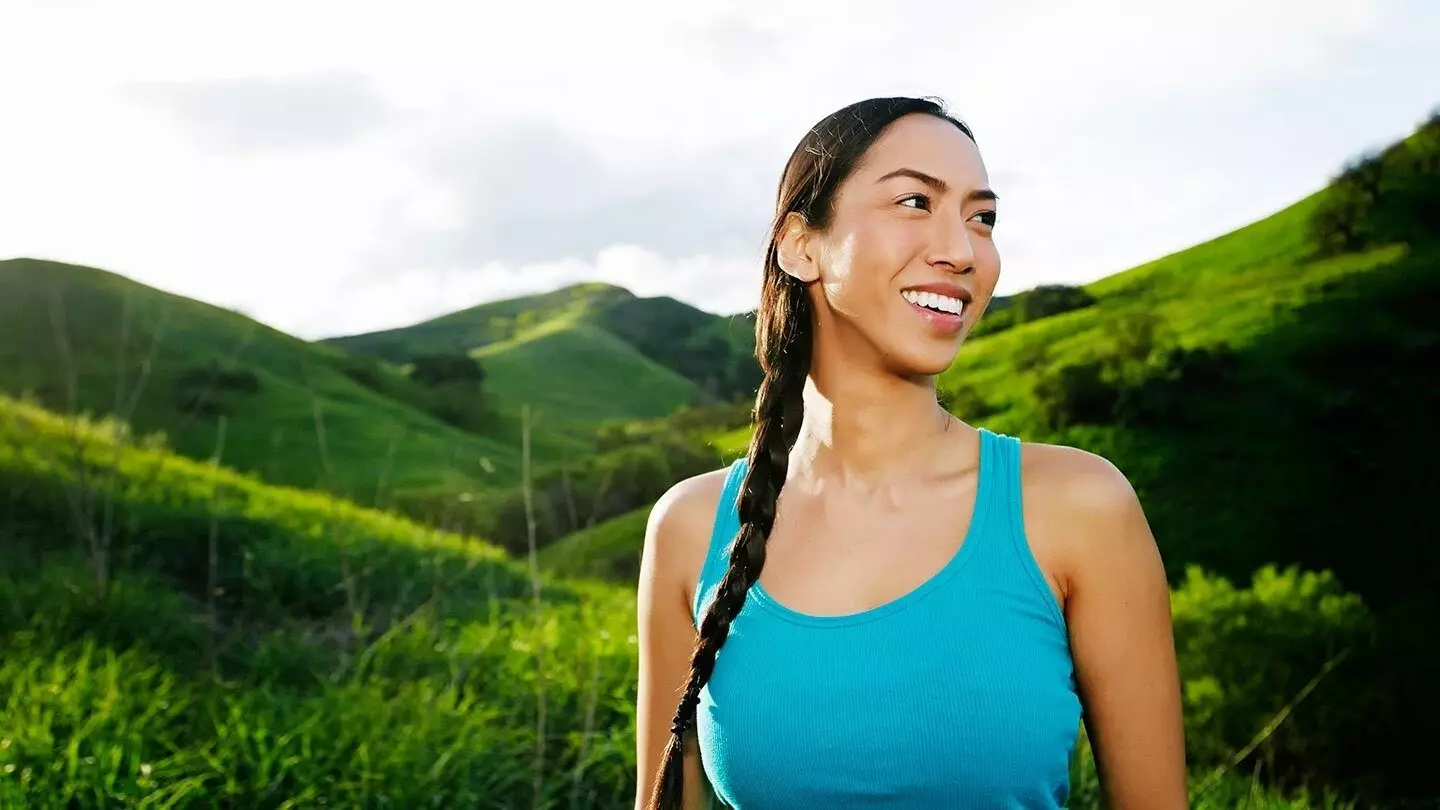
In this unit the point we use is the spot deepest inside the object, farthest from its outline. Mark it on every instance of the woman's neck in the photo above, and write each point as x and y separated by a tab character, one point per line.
868	431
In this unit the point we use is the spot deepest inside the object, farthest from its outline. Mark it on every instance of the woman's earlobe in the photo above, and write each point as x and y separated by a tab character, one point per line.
793	250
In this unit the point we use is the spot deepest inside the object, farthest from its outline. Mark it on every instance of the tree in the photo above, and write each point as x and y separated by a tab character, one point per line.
432	370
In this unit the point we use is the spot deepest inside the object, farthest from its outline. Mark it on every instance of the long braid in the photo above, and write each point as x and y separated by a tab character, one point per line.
783	347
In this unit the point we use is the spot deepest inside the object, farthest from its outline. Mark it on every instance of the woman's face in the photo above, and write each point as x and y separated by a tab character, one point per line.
908	263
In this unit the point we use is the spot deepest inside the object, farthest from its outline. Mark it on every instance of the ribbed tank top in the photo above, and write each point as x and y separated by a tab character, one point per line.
958	694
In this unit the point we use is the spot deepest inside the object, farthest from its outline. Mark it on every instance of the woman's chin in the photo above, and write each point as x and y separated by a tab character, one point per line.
924	363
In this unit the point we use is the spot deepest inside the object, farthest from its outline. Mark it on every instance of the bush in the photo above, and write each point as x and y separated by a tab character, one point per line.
436	369
1245	655
1174	387
1074	394
211	390
1392	196
570	496
1052	299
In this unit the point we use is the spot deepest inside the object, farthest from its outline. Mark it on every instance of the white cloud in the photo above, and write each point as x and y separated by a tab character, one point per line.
332	167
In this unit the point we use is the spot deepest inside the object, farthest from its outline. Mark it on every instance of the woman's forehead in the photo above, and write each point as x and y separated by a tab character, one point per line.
926	144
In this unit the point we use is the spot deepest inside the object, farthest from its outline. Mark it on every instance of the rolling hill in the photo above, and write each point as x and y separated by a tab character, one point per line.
81	339
659	345
342	414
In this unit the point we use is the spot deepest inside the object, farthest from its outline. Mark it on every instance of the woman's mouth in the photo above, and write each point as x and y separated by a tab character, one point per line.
944	313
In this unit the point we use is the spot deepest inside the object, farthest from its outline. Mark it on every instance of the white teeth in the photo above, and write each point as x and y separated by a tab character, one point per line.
931	300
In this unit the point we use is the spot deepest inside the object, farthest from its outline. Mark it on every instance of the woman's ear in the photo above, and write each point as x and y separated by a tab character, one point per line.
796	249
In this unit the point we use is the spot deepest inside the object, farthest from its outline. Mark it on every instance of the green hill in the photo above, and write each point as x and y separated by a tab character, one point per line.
343	415
86	340
181	635
577	375
637	339
480	325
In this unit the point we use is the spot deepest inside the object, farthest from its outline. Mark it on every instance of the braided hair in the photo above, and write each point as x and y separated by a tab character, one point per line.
822	160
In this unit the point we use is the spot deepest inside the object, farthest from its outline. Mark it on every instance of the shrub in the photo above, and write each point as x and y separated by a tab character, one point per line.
1244	654
1172	388
436	369
1073	394
1392	196
1052	299
210	390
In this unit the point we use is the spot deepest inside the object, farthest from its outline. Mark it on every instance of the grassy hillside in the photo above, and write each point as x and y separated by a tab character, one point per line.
265	647
254	646
480	325
605	551
82	339
576	375
634	339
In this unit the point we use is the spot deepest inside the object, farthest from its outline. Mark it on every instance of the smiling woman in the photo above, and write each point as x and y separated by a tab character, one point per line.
881	606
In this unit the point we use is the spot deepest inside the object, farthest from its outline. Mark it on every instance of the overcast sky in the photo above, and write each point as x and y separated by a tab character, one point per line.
337	167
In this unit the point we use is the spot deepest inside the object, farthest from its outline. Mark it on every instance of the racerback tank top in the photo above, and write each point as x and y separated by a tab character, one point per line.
958	694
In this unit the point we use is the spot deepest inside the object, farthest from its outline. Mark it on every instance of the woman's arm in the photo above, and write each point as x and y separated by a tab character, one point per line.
676	539
1117	607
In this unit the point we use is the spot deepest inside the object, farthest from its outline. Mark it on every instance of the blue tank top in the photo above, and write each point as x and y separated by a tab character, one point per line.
960	693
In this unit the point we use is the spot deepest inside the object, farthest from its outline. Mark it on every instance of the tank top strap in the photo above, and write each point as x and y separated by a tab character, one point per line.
1007	521
722	535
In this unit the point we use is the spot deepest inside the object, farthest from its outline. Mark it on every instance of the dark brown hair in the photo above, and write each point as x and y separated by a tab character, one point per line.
822	160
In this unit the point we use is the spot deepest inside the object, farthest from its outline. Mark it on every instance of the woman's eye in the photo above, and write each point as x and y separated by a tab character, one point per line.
921	201
987	217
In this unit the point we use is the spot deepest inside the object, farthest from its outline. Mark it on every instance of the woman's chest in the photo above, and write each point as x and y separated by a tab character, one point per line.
890	714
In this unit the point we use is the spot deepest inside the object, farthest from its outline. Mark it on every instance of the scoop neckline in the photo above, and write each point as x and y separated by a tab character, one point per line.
988	457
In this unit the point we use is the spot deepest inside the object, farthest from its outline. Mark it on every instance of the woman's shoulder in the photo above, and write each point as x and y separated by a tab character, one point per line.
1081	511
677	532
1078	482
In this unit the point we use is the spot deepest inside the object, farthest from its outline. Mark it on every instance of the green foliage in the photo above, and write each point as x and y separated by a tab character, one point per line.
697	421
1074	393
1246	654
431	370
1393	195
1030	305
211	390
331	655
590	490
1051	299
608	551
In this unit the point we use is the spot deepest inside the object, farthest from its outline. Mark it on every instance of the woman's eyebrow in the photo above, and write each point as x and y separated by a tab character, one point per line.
940	186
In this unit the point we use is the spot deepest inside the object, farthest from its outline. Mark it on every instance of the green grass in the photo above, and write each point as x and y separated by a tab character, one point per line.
574	375
331	655
606	551
335	655
480	325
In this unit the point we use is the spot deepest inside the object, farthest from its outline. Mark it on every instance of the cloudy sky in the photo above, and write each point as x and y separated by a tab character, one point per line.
337	167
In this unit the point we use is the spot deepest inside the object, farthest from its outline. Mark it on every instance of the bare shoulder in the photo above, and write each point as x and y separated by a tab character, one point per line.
1081	512
1088	517
677	533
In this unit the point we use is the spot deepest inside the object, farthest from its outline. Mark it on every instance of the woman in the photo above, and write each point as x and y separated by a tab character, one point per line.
883	620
